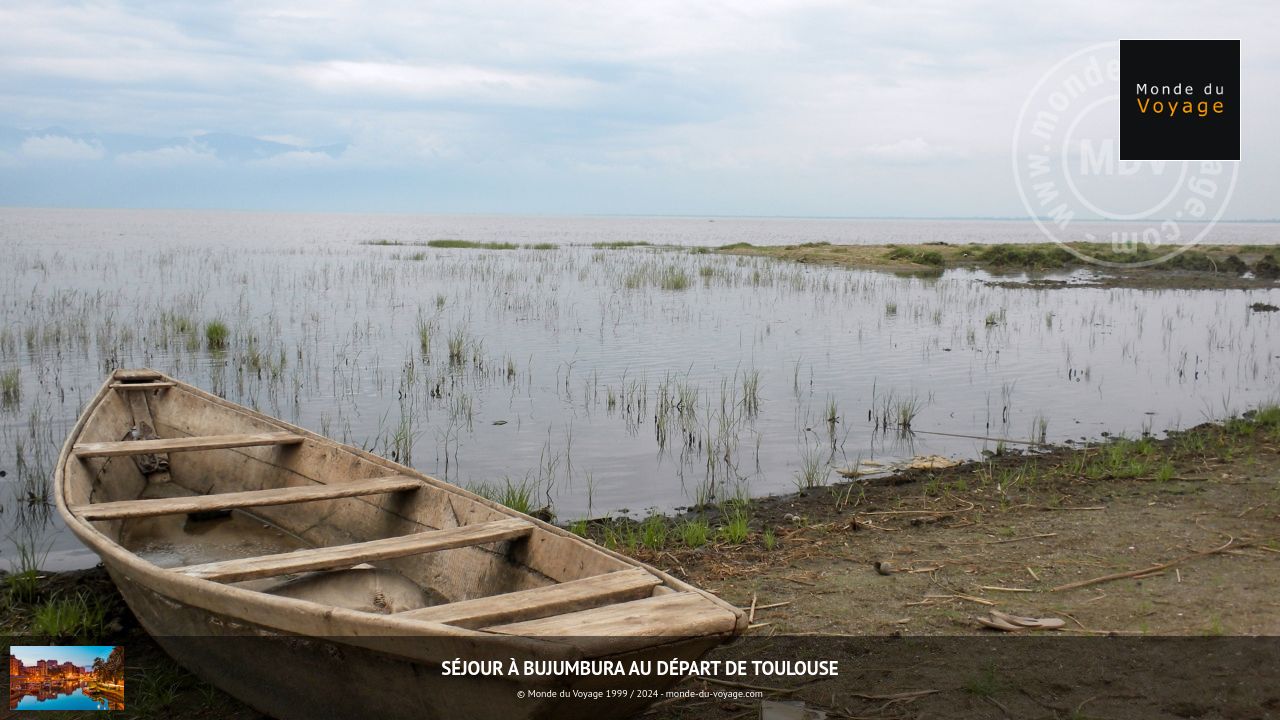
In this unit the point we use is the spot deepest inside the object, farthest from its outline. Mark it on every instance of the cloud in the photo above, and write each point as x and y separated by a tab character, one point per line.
910	151
306	159
174	156
443	82
785	98
60	147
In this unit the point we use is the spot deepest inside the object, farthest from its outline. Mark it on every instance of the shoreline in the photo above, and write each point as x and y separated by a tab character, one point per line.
1131	537
1200	267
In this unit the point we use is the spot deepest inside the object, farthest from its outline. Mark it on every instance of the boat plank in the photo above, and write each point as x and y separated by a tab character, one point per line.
136	375
557	599
249	498
683	614
185	444
142	385
340	556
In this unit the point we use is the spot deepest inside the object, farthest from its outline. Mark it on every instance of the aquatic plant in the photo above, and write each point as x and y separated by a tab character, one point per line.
813	471
10	388
518	496
471	244
216	334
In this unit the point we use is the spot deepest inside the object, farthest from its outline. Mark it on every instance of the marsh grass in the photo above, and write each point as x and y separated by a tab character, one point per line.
519	496
620	244
813	471
10	388
471	244
81	617
693	532
653	532
425	330
736	527
920	256
216	335
674	278
22	584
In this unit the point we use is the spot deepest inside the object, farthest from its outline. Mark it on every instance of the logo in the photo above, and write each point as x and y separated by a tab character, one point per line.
1072	176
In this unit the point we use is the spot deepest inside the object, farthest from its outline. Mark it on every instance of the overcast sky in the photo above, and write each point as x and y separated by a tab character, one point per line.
736	108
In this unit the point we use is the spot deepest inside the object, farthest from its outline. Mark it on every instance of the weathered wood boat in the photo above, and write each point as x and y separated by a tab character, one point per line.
311	579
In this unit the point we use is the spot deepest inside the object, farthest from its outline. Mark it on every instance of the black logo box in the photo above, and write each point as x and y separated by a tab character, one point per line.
1158	78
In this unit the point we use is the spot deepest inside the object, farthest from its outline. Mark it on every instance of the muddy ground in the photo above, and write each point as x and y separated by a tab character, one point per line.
1190	525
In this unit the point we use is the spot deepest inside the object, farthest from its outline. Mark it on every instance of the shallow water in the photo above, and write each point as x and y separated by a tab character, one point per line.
74	700
601	380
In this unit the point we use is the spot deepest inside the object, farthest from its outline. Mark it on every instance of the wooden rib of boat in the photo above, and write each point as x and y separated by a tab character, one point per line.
312	579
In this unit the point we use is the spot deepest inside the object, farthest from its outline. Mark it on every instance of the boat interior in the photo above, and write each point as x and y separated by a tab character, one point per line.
202	487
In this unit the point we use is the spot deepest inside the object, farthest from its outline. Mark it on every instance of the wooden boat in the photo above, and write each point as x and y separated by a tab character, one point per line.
311	579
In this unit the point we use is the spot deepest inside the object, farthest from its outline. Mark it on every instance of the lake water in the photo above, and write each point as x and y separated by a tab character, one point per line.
603	380
73	700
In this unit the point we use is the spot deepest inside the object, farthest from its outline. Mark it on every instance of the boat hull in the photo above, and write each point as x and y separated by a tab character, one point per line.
306	656
294	677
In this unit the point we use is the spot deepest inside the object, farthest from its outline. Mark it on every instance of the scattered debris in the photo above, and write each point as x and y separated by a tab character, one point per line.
932	462
1013	623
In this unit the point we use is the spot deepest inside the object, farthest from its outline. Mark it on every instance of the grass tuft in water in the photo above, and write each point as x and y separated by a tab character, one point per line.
216	334
517	496
10	388
471	244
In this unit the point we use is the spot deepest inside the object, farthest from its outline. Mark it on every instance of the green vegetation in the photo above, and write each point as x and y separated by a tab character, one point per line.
694	532
653	532
1267	268
517	496
736	528
620	244
919	256
1029	257
425	331
543	246
10	387
471	244
813	471
80	617
457	346
216	335
674	278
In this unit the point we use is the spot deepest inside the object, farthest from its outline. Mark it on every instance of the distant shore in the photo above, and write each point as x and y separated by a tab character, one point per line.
1199	267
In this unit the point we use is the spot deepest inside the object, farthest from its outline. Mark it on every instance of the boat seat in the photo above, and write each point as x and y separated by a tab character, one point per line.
250	498
342	556
184	444
616	627
571	596
158	384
